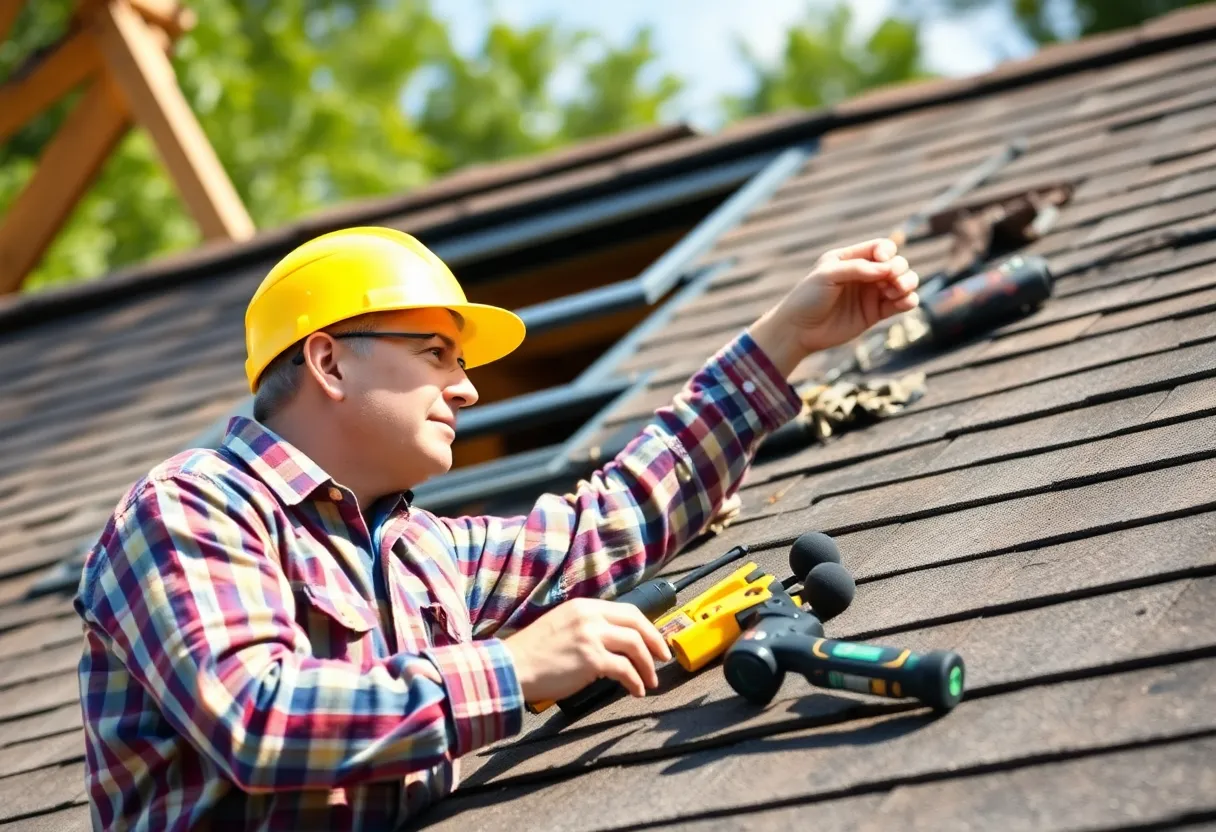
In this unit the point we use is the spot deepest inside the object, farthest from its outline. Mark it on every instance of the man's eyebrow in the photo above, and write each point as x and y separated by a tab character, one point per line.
425	336
447	342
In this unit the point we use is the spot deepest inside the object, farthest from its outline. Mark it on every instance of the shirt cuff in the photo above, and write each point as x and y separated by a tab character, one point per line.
485	702
755	379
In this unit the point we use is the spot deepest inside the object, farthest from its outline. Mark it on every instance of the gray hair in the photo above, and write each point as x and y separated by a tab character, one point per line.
281	379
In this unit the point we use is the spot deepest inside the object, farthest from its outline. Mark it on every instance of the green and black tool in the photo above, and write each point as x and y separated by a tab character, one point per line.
781	637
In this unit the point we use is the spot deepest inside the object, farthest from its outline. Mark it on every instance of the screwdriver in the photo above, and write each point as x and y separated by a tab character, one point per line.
653	598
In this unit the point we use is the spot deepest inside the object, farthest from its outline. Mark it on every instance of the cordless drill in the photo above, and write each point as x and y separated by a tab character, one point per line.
782	635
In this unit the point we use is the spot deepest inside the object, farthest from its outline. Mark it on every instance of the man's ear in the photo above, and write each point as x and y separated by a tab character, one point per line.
321	361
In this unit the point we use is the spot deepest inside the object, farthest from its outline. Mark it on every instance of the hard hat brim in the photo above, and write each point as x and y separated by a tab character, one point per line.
489	332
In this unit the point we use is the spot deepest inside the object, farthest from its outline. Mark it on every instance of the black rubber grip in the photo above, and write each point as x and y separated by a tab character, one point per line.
653	598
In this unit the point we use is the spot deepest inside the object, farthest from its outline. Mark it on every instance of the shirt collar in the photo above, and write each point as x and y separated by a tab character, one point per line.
289	472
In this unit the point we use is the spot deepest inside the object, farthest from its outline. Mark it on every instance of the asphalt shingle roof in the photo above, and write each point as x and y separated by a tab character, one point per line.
1047	509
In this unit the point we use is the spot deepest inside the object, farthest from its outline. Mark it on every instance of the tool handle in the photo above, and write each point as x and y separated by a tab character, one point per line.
737	553
988	299
653	598
935	678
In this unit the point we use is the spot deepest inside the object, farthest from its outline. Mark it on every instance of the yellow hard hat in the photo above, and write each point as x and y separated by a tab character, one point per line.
357	270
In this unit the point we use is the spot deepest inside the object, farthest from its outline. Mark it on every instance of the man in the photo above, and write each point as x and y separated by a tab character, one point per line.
277	639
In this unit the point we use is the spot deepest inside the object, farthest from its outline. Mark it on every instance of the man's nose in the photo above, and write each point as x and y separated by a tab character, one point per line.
462	393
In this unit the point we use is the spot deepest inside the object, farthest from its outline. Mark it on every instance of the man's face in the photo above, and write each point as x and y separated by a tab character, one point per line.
404	394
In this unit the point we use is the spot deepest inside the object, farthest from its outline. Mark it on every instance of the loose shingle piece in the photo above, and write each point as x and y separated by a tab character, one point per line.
1046	508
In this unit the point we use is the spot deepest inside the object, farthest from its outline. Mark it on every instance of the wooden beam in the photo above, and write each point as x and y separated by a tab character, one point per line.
68	165
145	76
9	9
57	74
169	15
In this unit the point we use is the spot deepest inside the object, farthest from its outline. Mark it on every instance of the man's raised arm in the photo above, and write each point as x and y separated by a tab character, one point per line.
638	510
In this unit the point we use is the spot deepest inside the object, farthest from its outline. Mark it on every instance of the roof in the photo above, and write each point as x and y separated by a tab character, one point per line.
1047	509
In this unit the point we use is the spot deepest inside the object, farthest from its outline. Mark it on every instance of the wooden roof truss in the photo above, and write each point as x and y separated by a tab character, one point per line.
117	51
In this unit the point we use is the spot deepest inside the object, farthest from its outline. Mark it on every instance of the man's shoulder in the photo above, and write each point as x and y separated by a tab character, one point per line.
194	471
208	481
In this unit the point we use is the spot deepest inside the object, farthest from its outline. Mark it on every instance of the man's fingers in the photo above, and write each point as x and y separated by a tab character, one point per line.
866	271
878	250
621	669
627	615
626	642
901	304
901	285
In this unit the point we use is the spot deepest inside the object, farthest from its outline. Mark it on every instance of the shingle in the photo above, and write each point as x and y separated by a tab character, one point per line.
840	815
907	462
39	792
1195	397
1070	358
1033	340
46	724
1059	429
1161	261
40	753
1193	302
1182	168
1070	718
1138	375
1037	520
1115	456
1048	641
1081	211
1100	790
48	662
30	698
75	819
1142	554
50	606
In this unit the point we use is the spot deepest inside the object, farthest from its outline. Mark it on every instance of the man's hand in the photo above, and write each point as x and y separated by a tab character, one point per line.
849	290
579	641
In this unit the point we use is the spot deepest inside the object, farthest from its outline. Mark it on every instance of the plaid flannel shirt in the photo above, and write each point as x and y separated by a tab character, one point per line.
239	672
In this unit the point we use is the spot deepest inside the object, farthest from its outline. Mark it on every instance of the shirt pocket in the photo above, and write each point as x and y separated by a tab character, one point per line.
339	625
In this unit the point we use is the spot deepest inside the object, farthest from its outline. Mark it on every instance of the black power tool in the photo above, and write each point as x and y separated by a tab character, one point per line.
781	637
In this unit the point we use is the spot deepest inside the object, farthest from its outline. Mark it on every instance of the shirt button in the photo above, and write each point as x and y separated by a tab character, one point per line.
335	495
749	386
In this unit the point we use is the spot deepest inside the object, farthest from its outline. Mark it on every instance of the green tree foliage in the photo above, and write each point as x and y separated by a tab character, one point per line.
615	96
825	61
1045	21
312	102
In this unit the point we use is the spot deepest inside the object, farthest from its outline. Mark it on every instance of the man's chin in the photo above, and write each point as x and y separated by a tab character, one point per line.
439	457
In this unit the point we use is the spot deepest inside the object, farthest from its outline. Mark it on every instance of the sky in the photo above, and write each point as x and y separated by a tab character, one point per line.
695	38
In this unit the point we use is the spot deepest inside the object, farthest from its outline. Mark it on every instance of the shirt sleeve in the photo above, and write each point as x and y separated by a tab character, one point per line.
184	588
626	519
